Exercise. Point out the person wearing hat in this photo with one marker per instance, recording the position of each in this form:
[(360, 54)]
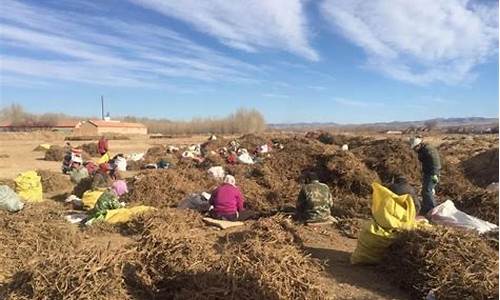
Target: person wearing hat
[(101, 177), (431, 168), (77, 171), (227, 201)]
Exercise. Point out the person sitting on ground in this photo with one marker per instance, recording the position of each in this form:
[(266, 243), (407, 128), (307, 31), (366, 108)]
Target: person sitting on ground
[(68, 155), (102, 145), (402, 187), (66, 164), (78, 171), (101, 177), (119, 187), (315, 201), (91, 167), (108, 200), (114, 173), (227, 202)]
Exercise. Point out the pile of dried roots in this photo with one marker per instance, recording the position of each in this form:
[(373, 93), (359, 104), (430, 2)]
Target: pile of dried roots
[(33, 232), (67, 274), (91, 149), (55, 153), (453, 264), (54, 181), (264, 262), (166, 188), (482, 169), (390, 158)]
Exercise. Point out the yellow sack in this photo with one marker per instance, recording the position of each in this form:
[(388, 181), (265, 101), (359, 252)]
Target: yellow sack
[(123, 215), (104, 159), (390, 213), (29, 186), (90, 198), (373, 241)]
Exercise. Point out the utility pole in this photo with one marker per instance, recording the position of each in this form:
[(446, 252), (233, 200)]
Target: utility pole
[(102, 107)]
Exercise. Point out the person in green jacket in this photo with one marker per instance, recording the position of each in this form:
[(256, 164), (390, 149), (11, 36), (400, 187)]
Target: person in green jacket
[(108, 200), (431, 168), (315, 200)]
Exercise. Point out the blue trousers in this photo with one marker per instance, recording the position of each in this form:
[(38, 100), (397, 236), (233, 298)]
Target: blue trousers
[(428, 201)]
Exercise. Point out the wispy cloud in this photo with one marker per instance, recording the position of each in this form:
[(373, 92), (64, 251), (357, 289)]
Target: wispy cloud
[(248, 25), (317, 87), (436, 100), (355, 103), (419, 42), (273, 95), (73, 46)]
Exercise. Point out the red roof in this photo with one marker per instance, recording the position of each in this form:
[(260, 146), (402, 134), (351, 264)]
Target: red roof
[(117, 124)]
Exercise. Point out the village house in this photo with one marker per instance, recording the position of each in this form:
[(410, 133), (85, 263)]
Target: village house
[(100, 127)]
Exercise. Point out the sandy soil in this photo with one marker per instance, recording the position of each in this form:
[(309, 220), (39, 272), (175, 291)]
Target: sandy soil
[(344, 280), (17, 155)]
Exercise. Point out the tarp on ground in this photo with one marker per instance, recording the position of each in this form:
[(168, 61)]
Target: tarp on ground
[(447, 214), (123, 215), (90, 197)]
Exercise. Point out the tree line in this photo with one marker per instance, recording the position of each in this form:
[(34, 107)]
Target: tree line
[(242, 121)]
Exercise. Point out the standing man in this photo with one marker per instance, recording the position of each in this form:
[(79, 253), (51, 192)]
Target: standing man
[(315, 201), (431, 167), (102, 145)]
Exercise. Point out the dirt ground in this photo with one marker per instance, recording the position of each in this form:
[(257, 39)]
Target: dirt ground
[(340, 279), (17, 155)]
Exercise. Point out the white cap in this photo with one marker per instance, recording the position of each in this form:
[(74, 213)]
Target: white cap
[(206, 195), (230, 179), (77, 159), (415, 141)]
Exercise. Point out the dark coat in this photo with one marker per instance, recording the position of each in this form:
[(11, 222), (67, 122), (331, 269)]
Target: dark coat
[(402, 188), (429, 157)]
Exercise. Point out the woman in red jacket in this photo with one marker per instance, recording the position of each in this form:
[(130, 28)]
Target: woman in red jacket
[(228, 202)]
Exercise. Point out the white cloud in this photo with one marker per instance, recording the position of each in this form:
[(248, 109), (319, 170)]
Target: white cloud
[(72, 46), (247, 25), (419, 41), (273, 95)]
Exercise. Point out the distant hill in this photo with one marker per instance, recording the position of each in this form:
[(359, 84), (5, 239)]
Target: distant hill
[(396, 125)]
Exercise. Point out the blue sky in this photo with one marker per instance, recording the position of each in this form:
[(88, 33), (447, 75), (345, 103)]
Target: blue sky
[(349, 61)]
